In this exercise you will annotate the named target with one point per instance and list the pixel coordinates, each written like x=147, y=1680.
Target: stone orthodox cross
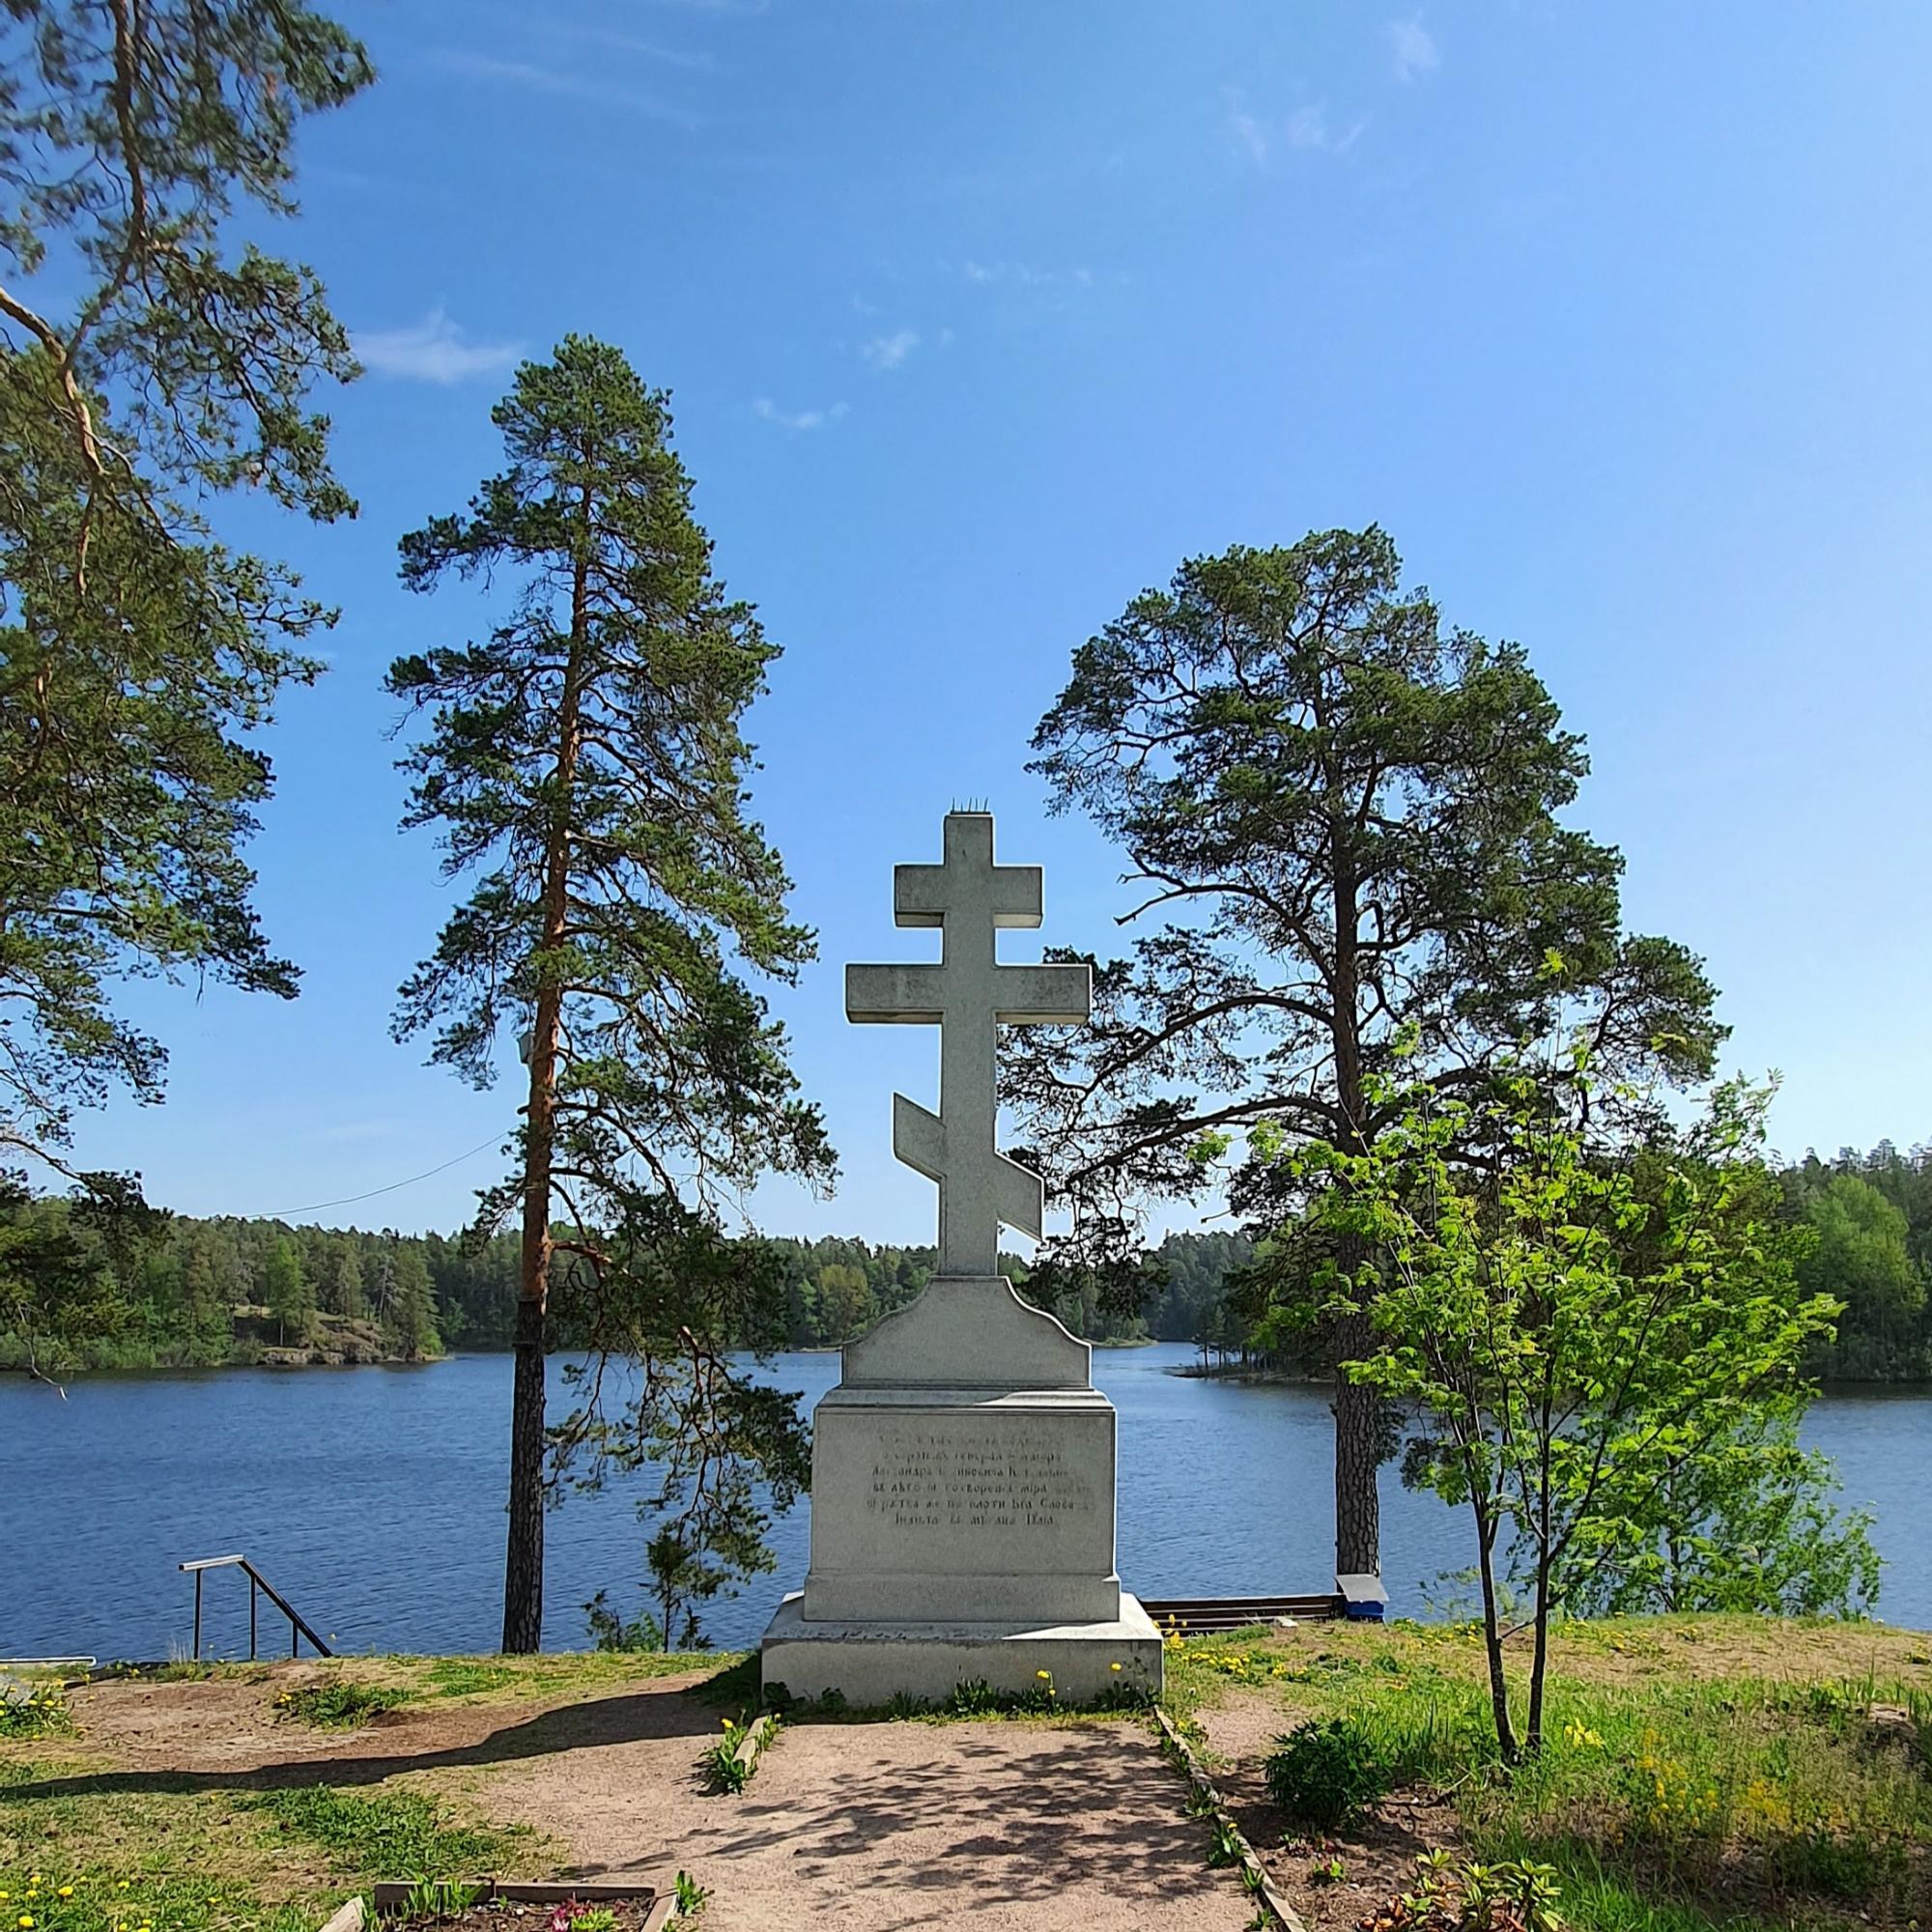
x=969, y=995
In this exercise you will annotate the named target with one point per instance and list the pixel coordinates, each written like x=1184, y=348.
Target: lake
x=373, y=1498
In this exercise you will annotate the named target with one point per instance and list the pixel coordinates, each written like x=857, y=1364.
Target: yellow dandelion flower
x=1044, y=1675
x=66, y=1892
x=1113, y=1666
x=25, y=1921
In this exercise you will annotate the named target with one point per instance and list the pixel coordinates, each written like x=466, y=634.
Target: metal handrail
x=298, y=1628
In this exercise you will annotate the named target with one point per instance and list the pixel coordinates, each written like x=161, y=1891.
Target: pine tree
x=585, y=765
x=343, y=1289
x=413, y=1305
x=147, y=365
x=1348, y=818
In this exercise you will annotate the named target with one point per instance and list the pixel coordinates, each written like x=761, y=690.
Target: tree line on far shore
x=191, y=1292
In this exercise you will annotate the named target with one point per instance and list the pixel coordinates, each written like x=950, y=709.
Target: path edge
x=1260, y=1885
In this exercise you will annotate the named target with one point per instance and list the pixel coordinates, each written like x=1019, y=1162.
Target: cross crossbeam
x=969, y=996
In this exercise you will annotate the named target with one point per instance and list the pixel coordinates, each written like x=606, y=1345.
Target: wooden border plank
x=1260, y=1885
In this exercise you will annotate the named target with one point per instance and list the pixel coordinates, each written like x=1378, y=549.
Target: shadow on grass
x=588, y=1725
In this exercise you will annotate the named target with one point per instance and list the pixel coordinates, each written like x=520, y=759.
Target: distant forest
x=188, y=1293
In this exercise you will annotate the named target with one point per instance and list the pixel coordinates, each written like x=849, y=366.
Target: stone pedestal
x=962, y=1515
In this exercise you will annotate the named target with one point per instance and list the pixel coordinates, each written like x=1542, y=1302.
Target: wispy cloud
x=890, y=351
x=1023, y=275
x=470, y=64
x=1308, y=128
x=694, y=62
x=1249, y=135
x=1254, y=140
x=1413, y=48
x=433, y=350
x=770, y=412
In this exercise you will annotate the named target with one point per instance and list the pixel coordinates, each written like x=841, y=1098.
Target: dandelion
x=1045, y=1676
x=1113, y=1666
x=26, y=1921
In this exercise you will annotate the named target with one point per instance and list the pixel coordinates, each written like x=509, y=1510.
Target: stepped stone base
x=962, y=1515
x=869, y=1663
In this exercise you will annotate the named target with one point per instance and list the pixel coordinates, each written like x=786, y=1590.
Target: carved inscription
x=952, y=1479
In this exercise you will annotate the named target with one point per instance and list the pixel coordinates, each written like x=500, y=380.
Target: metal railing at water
x=258, y=1586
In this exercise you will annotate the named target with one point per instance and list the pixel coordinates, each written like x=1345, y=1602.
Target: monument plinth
x=962, y=1471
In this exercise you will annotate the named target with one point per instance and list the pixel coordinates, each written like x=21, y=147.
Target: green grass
x=333, y=1705
x=43, y=1712
x=1666, y=1799
x=151, y=1860
x=505, y=1678
x=388, y=1834
x=467, y=1677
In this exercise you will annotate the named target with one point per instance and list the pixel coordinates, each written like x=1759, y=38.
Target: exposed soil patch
x=504, y=1914
x=1051, y=1825
x=227, y=1725
x=1048, y=1826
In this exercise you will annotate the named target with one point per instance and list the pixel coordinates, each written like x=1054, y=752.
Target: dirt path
x=870, y=1828
x=878, y=1826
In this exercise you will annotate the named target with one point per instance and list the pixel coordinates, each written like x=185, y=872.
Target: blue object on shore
x=1364, y=1601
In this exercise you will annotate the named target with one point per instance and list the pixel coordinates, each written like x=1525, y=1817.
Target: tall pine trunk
x=523, y=1558
x=1359, y=1515
x=1359, y=1550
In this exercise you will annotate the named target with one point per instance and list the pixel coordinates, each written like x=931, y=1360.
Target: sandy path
x=887, y=1826
x=875, y=1827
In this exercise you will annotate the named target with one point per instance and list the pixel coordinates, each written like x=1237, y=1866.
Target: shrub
x=38, y=1715
x=1326, y=1771
x=334, y=1706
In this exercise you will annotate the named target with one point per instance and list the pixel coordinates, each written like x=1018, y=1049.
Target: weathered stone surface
x=962, y=1490
x=969, y=996
x=965, y=1332
x=869, y=1663
x=963, y=1506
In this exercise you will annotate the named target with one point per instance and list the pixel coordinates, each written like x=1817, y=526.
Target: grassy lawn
x=1700, y=1772
x=1696, y=1772
x=197, y=1860
x=85, y=1847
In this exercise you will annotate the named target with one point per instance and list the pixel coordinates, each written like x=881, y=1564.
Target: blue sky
x=978, y=318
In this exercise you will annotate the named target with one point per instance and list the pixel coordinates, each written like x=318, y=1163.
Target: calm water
x=373, y=1499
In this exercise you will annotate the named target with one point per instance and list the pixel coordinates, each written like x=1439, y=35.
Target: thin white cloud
x=1249, y=136
x=770, y=413
x=890, y=351
x=1308, y=128
x=628, y=43
x=470, y=64
x=1024, y=276
x=433, y=351
x=1413, y=48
